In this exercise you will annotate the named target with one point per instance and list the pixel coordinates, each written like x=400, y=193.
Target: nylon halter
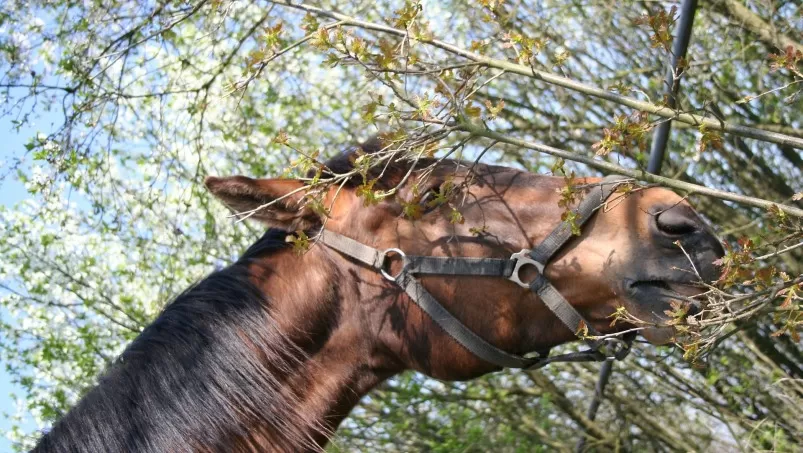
x=539, y=257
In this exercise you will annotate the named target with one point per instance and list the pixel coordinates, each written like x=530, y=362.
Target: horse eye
x=432, y=198
x=430, y=195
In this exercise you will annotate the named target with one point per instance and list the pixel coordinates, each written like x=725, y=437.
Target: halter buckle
x=520, y=259
x=383, y=257
x=614, y=348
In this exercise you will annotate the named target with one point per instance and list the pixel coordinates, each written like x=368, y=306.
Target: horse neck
x=318, y=305
x=273, y=367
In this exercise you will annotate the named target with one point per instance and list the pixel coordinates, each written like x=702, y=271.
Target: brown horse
x=272, y=353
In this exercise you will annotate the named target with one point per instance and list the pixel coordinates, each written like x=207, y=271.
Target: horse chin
x=659, y=335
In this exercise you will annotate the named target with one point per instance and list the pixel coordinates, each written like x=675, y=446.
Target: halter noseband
x=599, y=350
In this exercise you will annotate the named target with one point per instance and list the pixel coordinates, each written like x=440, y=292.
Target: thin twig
x=780, y=252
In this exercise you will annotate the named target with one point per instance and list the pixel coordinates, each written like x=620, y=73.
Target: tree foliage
x=154, y=96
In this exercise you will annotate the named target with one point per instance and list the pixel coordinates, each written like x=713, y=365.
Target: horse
x=272, y=352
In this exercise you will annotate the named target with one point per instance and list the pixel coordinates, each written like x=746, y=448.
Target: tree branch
x=633, y=173
x=755, y=24
x=688, y=118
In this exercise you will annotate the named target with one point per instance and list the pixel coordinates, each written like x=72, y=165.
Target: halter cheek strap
x=510, y=268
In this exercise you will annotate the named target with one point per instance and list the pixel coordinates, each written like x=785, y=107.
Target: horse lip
x=688, y=289
x=666, y=290
x=685, y=288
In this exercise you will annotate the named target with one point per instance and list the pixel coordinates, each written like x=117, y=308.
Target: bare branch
x=633, y=173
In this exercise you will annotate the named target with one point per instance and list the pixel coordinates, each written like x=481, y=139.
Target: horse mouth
x=658, y=291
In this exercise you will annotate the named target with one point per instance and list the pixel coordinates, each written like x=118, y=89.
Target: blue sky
x=11, y=193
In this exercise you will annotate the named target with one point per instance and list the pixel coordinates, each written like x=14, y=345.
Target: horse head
x=643, y=249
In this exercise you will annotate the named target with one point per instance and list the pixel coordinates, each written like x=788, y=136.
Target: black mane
x=190, y=379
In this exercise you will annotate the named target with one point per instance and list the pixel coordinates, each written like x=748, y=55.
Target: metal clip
x=614, y=348
x=522, y=258
x=383, y=258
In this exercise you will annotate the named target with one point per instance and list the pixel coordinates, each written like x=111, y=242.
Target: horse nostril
x=676, y=222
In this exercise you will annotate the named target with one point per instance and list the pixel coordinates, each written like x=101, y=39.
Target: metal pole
x=679, y=46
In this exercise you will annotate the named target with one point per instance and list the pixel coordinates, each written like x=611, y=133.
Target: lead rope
x=604, y=376
x=599, y=393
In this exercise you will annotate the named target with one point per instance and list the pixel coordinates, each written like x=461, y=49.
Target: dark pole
x=679, y=46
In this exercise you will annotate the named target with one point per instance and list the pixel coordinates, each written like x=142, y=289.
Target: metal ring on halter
x=382, y=270
x=522, y=259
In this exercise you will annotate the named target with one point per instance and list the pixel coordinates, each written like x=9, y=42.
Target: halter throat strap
x=508, y=268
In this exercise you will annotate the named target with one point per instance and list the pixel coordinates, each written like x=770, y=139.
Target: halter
x=608, y=348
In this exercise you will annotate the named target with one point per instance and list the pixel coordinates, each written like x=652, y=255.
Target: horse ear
x=274, y=202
